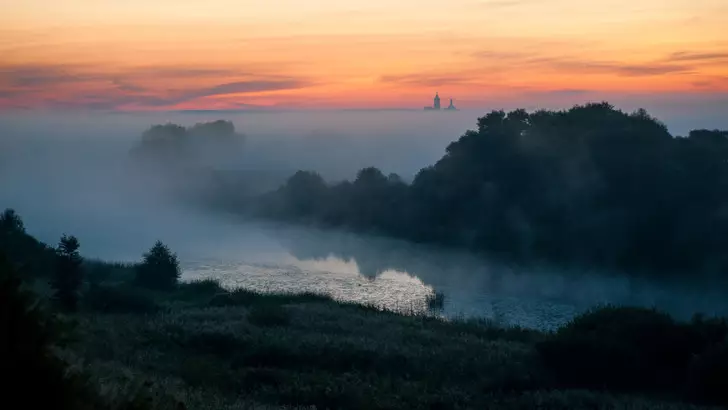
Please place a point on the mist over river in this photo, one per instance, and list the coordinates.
(68, 175)
(388, 273)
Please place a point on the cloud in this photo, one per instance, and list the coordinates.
(625, 70)
(428, 80)
(96, 88)
(42, 75)
(239, 87)
(122, 85)
(696, 57)
(576, 65)
(497, 64)
(242, 87)
(497, 4)
(567, 92)
(183, 72)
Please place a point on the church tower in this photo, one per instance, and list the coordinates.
(437, 102)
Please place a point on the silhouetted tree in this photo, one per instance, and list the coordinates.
(27, 254)
(591, 184)
(159, 269)
(11, 222)
(170, 144)
(213, 129)
(69, 274)
(28, 364)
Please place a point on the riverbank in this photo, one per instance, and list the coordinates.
(212, 349)
(198, 346)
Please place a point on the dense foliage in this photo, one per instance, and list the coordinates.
(634, 349)
(159, 268)
(589, 185)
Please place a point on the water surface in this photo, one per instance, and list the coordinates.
(388, 273)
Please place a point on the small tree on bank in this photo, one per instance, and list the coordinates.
(69, 274)
(159, 270)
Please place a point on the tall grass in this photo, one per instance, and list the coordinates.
(309, 350)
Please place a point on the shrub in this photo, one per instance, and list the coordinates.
(269, 315)
(159, 269)
(620, 348)
(118, 299)
(68, 274)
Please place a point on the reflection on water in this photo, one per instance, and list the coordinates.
(399, 276)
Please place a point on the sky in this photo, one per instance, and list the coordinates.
(135, 55)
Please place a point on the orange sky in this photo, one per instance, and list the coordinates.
(218, 54)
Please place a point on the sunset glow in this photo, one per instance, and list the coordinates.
(228, 54)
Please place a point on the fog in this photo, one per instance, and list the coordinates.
(72, 174)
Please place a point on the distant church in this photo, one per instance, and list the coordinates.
(436, 104)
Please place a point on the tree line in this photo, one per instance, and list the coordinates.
(589, 185)
(158, 270)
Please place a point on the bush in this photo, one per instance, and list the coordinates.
(118, 299)
(622, 348)
(159, 269)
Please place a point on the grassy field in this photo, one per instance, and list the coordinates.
(200, 347)
(124, 346)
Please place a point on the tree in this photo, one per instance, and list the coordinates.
(537, 185)
(10, 222)
(28, 364)
(159, 270)
(69, 273)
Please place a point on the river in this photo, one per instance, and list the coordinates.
(387, 273)
(69, 175)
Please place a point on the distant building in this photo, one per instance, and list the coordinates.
(436, 104)
(451, 107)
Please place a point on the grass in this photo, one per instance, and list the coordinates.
(307, 353)
(210, 348)
(203, 347)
